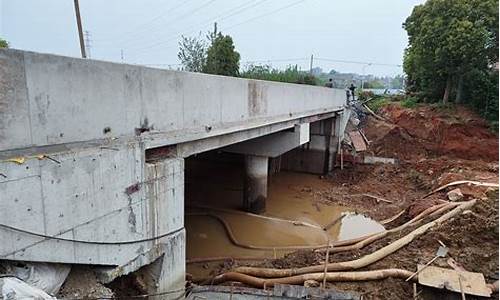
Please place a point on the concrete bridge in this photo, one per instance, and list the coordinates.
(92, 155)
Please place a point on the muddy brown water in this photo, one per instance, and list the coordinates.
(216, 194)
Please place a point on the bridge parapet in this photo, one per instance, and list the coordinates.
(53, 100)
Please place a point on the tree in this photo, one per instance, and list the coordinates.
(222, 58)
(449, 39)
(3, 43)
(192, 53)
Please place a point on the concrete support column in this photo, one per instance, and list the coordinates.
(318, 155)
(255, 193)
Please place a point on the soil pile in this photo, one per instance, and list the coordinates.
(432, 131)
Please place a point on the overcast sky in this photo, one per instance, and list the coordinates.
(148, 31)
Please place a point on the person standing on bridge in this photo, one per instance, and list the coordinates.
(352, 88)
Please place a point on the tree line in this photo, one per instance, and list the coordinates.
(215, 54)
(452, 54)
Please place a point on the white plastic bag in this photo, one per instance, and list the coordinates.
(12, 288)
(48, 277)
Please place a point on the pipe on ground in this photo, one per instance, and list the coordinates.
(299, 279)
(363, 261)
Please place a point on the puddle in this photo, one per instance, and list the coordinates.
(214, 198)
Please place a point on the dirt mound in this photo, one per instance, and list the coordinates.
(398, 143)
(456, 133)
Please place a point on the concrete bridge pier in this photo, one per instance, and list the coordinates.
(255, 192)
(319, 154)
(257, 153)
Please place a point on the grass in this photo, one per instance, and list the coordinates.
(410, 102)
(378, 103)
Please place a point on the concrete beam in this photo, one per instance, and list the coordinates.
(273, 145)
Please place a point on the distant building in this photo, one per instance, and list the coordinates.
(317, 71)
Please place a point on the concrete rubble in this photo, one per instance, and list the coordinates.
(455, 195)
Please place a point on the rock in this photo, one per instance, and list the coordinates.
(455, 195)
(311, 283)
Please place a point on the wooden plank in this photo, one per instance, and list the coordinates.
(357, 141)
(472, 283)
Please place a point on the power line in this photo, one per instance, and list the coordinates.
(151, 21)
(303, 59)
(239, 9)
(266, 14)
(188, 13)
(276, 60)
(358, 62)
(243, 62)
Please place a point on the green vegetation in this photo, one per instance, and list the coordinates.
(4, 43)
(292, 74)
(409, 102)
(219, 58)
(453, 47)
(378, 103)
(373, 84)
(222, 58)
(192, 53)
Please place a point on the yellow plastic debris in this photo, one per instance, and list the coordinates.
(17, 160)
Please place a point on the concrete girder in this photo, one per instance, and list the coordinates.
(273, 145)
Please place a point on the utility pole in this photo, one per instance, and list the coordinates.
(363, 75)
(86, 34)
(214, 36)
(121, 54)
(80, 29)
(311, 65)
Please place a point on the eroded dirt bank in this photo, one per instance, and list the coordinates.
(434, 147)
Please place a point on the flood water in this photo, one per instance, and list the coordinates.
(294, 215)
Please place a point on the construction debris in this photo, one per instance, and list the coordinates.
(14, 288)
(48, 277)
(279, 291)
(441, 252)
(357, 140)
(471, 283)
(455, 195)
